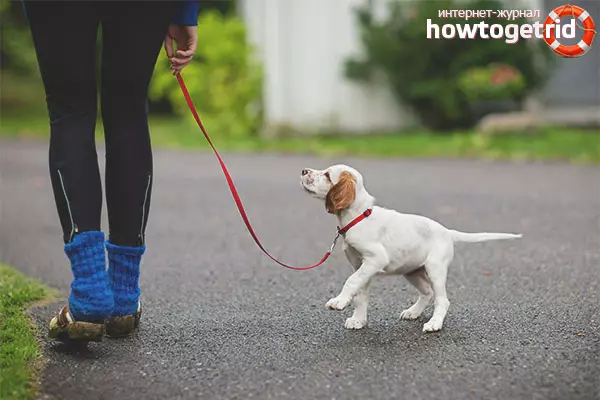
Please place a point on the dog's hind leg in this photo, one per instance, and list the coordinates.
(420, 281)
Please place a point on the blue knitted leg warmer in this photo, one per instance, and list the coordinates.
(124, 276)
(91, 298)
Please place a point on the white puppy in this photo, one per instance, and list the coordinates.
(387, 242)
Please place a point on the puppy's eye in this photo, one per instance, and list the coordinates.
(327, 176)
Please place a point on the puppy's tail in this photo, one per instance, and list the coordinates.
(458, 236)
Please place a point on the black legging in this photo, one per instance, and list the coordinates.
(65, 37)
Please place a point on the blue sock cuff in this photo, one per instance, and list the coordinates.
(126, 250)
(91, 298)
(124, 275)
(84, 240)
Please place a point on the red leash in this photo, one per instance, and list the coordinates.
(234, 192)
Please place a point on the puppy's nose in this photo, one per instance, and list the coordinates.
(304, 172)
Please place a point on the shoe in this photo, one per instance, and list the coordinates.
(91, 299)
(64, 327)
(123, 326)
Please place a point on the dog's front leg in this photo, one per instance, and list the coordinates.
(358, 320)
(358, 280)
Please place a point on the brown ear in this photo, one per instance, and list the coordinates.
(341, 195)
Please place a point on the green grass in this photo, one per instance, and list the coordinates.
(19, 349)
(23, 116)
(574, 145)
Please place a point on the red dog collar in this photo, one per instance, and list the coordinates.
(355, 221)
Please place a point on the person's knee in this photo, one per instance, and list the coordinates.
(125, 95)
(71, 101)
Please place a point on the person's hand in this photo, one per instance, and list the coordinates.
(186, 38)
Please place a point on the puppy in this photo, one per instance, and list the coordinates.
(387, 242)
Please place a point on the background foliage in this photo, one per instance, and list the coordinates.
(447, 82)
(224, 79)
(425, 73)
(16, 46)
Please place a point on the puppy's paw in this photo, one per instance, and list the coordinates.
(354, 323)
(338, 303)
(433, 325)
(409, 314)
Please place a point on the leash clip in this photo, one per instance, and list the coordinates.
(334, 242)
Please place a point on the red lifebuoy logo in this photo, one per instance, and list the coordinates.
(580, 16)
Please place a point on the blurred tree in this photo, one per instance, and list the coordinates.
(224, 79)
(162, 105)
(225, 7)
(425, 74)
(16, 46)
(18, 59)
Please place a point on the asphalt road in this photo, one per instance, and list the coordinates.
(224, 322)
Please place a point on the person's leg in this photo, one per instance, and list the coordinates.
(64, 36)
(133, 33)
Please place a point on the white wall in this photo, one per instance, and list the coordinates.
(303, 45)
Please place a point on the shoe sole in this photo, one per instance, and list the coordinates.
(120, 327)
(79, 331)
